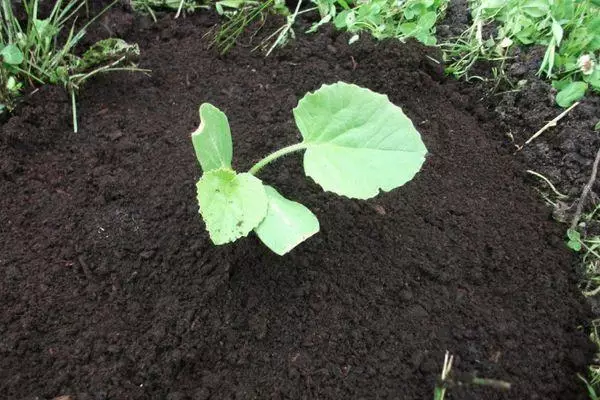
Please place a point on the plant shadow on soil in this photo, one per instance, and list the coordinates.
(111, 289)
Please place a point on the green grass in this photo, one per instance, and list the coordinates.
(568, 30)
(151, 6)
(381, 19)
(241, 14)
(42, 50)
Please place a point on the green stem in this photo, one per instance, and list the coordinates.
(273, 156)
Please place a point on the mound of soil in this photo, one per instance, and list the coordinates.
(111, 289)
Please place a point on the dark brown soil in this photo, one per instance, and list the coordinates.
(565, 153)
(110, 288)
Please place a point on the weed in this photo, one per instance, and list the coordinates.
(240, 14)
(449, 379)
(569, 30)
(149, 6)
(31, 52)
(384, 19)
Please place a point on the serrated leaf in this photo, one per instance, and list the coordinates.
(11, 55)
(287, 223)
(571, 93)
(357, 141)
(231, 204)
(212, 139)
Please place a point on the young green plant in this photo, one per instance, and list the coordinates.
(355, 143)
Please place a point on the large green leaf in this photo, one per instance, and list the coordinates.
(357, 141)
(287, 223)
(231, 204)
(212, 139)
(12, 55)
(571, 93)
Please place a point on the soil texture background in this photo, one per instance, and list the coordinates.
(111, 289)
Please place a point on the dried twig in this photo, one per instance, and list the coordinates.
(549, 125)
(542, 177)
(586, 190)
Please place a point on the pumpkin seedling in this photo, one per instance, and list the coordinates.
(355, 143)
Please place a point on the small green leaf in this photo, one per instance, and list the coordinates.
(12, 85)
(231, 3)
(571, 93)
(597, 126)
(493, 4)
(573, 234)
(230, 204)
(561, 84)
(344, 19)
(574, 242)
(287, 223)
(11, 55)
(358, 142)
(212, 139)
(593, 79)
(536, 8)
(44, 28)
(407, 28)
(427, 21)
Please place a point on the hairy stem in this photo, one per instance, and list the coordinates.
(273, 156)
